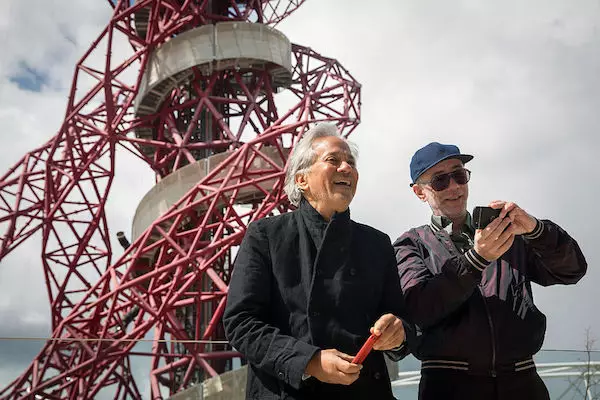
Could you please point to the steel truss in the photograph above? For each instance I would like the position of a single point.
(170, 284)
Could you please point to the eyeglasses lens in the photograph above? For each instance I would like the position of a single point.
(441, 182)
(461, 176)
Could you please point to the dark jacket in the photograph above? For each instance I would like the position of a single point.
(289, 298)
(486, 321)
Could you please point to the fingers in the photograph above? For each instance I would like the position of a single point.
(524, 222)
(493, 241)
(333, 366)
(506, 244)
(495, 235)
(495, 228)
(343, 363)
(392, 336)
(346, 372)
(342, 378)
(345, 356)
(382, 323)
(503, 231)
(506, 206)
(498, 204)
(511, 210)
(347, 367)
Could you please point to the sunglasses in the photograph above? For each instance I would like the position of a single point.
(442, 181)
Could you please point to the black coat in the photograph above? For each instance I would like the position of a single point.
(288, 299)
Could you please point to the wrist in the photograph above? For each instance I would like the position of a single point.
(536, 231)
(476, 259)
(310, 367)
(400, 346)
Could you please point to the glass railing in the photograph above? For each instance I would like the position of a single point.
(568, 374)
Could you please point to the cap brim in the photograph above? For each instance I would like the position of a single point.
(465, 158)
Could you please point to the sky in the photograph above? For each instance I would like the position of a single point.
(514, 83)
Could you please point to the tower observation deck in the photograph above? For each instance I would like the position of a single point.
(212, 97)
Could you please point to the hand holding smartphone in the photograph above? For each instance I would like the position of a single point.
(365, 350)
(483, 216)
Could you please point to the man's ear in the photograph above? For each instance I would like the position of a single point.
(420, 192)
(301, 181)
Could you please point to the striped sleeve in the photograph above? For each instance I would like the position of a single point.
(476, 260)
(536, 232)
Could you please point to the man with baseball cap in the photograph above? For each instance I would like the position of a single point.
(469, 290)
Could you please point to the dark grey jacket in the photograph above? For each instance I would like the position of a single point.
(481, 316)
(288, 299)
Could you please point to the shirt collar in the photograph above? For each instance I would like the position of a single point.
(439, 222)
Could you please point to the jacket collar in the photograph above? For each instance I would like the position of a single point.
(314, 217)
(338, 227)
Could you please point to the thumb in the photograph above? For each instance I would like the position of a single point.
(344, 356)
(382, 323)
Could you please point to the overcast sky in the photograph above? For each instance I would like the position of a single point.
(517, 84)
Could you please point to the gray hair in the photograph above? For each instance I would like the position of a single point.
(303, 157)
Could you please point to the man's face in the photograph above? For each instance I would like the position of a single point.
(450, 202)
(330, 183)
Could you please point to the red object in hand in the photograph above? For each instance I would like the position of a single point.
(365, 350)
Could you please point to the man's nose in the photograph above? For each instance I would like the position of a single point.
(345, 167)
(452, 184)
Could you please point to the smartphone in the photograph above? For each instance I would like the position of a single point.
(365, 350)
(482, 216)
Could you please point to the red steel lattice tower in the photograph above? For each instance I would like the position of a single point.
(195, 97)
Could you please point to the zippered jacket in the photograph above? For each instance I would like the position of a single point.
(477, 316)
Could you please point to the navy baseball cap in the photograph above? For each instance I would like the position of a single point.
(426, 157)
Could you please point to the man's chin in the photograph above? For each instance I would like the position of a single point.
(342, 204)
(458, 210)
(452, 214)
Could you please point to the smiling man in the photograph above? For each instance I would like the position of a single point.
(309, 286)
(469, 290)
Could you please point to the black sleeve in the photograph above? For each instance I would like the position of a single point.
(393, 301)
(246, 317)
(553, 256)
(432, 297)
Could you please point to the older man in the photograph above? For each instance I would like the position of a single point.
(309, 286)
(469, 290)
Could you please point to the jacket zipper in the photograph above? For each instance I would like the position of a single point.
(493, 336)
